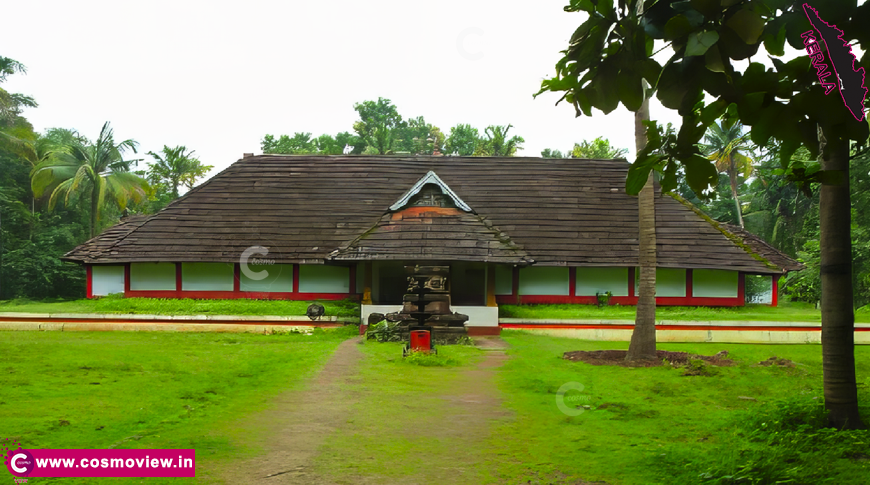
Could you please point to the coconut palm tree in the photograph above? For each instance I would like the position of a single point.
(723, 146)
(96, 169)
(643, 337)
(176, 166)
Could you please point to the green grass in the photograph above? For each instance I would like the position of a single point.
(655, 426)
(394, 433)
(785, 312)
(161, 306)
(148, 389)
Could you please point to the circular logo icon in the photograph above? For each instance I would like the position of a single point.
(20, 462)
(566, 409)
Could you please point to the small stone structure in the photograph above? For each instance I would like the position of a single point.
(445, 324)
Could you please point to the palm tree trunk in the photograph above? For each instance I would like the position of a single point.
(838, 317)
(732, 174)
(643, 338)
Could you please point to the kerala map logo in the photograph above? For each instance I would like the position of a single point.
(19, 462)
(848, 80)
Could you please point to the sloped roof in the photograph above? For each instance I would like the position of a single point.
(763, 249)
(434, 234)
(100, 247)
(559, 211)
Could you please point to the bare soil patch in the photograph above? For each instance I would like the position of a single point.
(777, 362)
(291, 431)
(617, 357)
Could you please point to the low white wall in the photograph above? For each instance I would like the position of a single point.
(714, 283)
(106, 280)
(207, 276)
(601, 280)
(152, 276)
(277, 278)
(544, 280)
(319, 278)
(478, 316)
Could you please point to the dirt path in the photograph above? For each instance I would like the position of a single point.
(294, 428)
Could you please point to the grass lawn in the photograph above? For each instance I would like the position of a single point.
(396, 430)
(148, 389)
(161, 306)
(653, 425)
(785, 312)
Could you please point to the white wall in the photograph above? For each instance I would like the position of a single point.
(207, 276)
(106, 280)
(669, 282)
(278, 278)
(478, 316)
(714, 283)
(544, 280)
(152, 276)
(320, 278)
(504, 279)
(601, 280)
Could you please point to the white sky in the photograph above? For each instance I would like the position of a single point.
(217, 76)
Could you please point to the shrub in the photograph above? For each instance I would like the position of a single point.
(384, 332)
(782, 442)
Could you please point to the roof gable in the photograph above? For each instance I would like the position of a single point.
(429, 178)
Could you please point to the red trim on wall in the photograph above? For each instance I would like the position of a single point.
(237, 277)
(669, 327)
(295, 278)
(774, 295)
(689, 283)
(741, 288)
(631, 281)
(178, 278)
(353, 279)
(89, 274)
(515, 285)
(482, 331)
(572, 281)
(235, 295)
(126, 279)
(617, 300)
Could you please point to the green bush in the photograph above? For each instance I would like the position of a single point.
(783, 442)
(384, 332)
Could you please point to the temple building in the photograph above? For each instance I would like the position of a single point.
(512, 230)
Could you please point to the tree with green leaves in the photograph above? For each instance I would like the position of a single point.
(550, 153)
(462, 141)
(95, 170)
(723, 146)
(598, 149)
(175, 167)
(12, 103)
(298, 144)
(378, 121)
(611, 53)
(497, 143)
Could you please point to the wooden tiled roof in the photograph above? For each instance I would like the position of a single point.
(432, 234)
(303, 208)
(763, 249)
